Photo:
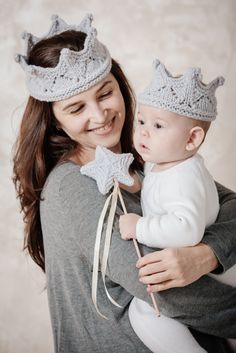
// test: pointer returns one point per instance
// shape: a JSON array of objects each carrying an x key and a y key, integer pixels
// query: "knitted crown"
[
  {"x": 185, "y": 95},
  {"x": 75, "y": 72}
]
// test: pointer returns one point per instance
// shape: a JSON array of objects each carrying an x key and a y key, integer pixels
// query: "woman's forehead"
[{"x": 82, "y": 96}]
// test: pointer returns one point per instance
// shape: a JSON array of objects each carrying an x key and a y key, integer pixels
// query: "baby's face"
[{"x": 161, "y": 136}]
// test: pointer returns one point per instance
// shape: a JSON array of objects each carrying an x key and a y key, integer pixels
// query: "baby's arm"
[
  {"x": 158, "y": 269},
  {"x": 181, "y": 215},
  {"x": 127, "y": 224}
]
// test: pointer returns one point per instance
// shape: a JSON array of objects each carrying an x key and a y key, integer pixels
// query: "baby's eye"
[
  {"x": 158, "y": 126},
  {"x": 140, "y": 122}
]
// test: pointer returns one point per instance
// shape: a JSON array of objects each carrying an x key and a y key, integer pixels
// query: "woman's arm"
[
  {"x": 221, "y": 236},
  {"x": 170, "y": 268},
  {"x": 198, "y": 305}
]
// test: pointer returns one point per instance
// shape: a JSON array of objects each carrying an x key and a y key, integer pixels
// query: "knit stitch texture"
[
  {"x": 75, "y": 72},
  {"x": 185, "y": 95}
]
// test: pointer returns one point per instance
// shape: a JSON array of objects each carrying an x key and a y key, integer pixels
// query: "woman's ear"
[{"x": 196, "y": 137}]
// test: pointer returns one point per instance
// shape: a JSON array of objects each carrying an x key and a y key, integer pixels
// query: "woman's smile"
[{"x": 105, "y": 129}]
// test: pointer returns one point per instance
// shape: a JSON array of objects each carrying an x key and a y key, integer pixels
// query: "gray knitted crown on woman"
[
  {"x": 185, "y": 95},
  {"x": 75, "y": 72}
]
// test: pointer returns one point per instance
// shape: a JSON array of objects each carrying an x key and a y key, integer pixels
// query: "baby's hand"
[{"x": 127, "y": 225}]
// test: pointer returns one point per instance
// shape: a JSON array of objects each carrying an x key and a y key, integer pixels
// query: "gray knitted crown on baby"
[
  {"x": 75, "y": 72},
  {"x": 184, "y": 95}
]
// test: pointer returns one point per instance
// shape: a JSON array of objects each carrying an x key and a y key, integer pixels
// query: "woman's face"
[{"x": 94, "y": 117}]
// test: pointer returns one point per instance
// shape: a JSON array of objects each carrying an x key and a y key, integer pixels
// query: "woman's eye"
[
  {"x": 158, "y": 126},
  {"x": 106, "y": 94},
  {"x": 77, "y": 110}
]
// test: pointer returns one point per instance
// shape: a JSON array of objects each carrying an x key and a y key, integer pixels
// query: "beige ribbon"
[{"x": 113, "y": 198}]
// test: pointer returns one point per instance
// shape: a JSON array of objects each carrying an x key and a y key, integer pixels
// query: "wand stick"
[{"x": 138, "y": 253}]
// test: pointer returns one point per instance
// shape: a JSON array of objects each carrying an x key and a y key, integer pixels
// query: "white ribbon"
[
  {"x": 96, "y": 255},
  {"x": 113, "y": 198}
]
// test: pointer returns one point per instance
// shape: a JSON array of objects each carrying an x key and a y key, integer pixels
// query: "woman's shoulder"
[
  {"x": 65, "y": 173},
  {"x": 63, "y": 169}
]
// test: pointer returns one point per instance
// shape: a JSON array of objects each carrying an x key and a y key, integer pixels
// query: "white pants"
[
  {"x": 161, "y": 334},
  {"x": 165, "y": 335}
]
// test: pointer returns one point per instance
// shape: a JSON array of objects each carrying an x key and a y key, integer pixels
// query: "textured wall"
[{"x": 181, "y": 33}]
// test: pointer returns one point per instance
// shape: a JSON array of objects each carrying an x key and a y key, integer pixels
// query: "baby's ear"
[{"x": 196, "y": 137}]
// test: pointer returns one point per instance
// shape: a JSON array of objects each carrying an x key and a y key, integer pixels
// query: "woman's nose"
[{"x": 98, "y": 114}]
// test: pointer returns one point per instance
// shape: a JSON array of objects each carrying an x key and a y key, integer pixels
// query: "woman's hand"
[{"x": 177, "y": 267}]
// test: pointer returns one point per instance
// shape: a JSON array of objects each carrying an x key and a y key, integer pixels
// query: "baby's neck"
[{"x": 159, "y": 167}]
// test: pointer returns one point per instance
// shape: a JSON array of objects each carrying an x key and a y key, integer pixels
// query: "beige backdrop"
[{"x": 180, "y": 33}]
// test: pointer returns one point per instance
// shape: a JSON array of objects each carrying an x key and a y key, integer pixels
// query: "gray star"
[{"x": 108, "y": 166}]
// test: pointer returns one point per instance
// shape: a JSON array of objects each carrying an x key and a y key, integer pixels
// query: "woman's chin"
[
  {"x": 115, "y": 146},
  {"x": 111, "y": 142}
]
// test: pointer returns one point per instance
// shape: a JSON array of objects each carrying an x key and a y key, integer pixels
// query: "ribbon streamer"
[{"x": 113, "y": 197}]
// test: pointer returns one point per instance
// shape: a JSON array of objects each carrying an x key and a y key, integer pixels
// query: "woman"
[{"x": 80, "y": 99}]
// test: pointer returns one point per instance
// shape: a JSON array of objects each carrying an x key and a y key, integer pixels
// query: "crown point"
[
  {"x": 190, "y": 73},
  {"x": 54, "y": 17},
  {"x": 24, "y": 35},
  {"x": 17, "y": 58},
  {"x": 156, "y": 63},
  {"x": 221, "y": 81},
  {"x": 90, "y": 16},
  {"x": 198, "y": 73},
  {"x": 94, "y": 32}
]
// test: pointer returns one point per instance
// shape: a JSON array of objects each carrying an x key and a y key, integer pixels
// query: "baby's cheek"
[{"x": 135, "y": 137}]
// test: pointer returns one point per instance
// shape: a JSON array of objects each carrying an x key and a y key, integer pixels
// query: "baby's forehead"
[{"x": 154, "y": 111}]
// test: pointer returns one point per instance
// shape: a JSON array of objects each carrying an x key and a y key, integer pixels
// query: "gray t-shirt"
[{"x": 70, "y": 209}]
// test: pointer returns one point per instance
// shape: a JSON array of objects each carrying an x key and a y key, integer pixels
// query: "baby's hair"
[{"x": 204, "y": 125}]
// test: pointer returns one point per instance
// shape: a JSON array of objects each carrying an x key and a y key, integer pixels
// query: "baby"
[{"x": 179, "y": 198}]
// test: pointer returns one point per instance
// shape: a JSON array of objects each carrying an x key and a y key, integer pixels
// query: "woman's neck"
[{"x": 85, "y": 155}]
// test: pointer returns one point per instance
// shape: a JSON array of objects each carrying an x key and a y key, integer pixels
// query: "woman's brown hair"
[{"x": 40, "y": 145}]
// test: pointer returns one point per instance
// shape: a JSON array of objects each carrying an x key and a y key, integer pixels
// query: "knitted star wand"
[{"x": 108, "y": 169}]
